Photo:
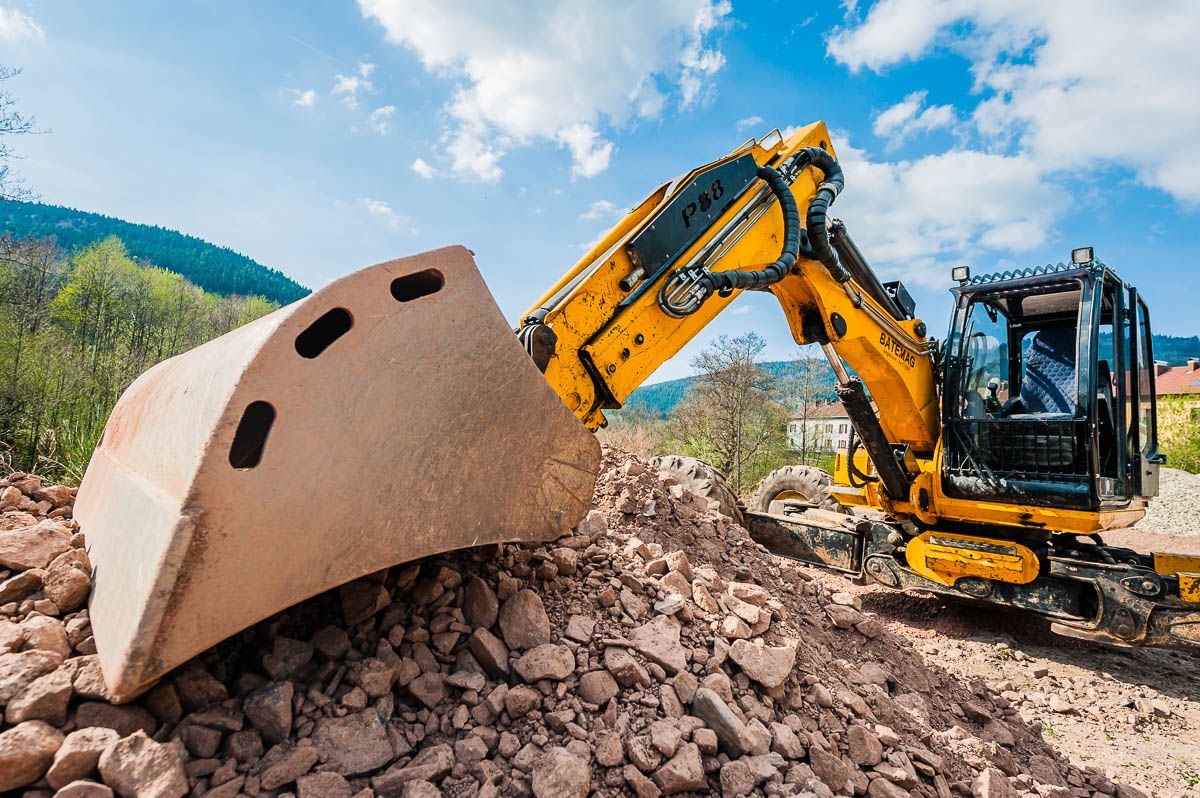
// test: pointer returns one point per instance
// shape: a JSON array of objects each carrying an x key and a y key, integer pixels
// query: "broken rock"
[
  {"x": 18, "y": 670},
  {"x": 353, "y": 744},
  {"x": 562, "y": 774},
  {"x": 658, "y": 641},
  {"x": 45, "y": 698},
  {"x": 26, "y": 750},
  {"x": 294, "y": 764},
  {"x": 768, "y": 665},
  {"x": 77, "y": 756},
  {"x": 33, "y": 546},
  {"x": 682, "y": 772},
  {"x": 431, "y": 764},
  {"x": 269, "y": 710},
  {"x": 731, "y": 732},
  {"x": 523, "y": 621},
  {"x": 481, "y": 608},
  {"x": 547, "y": 661},
  {"x": 138, "y": 766}
]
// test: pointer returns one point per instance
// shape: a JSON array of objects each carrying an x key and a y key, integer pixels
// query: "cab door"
[{"x": 1144, "y": 457}]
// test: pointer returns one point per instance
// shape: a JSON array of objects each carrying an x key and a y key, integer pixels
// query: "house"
[
  {"x": 1179, "y": 381},
  {"x": 825, "y": 427}
]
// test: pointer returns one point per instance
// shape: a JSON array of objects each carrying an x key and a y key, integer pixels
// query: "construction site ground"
[
  {"x": 656, "y": 650},
  {"x": 1133, "y": 713}
]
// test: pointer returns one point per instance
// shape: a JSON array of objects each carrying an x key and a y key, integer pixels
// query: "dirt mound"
[{"x": 657, "y": 650}]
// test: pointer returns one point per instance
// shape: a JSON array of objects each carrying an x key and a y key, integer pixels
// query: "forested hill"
[
  {"x": 659, "y": 399},
  {"x": 219, "y": 270},
  {"x": 1176, "y": 349}
]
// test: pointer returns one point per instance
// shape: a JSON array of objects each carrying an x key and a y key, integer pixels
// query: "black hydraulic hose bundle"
[
  {"x": 730, "y": 280},
  {"x": 818, "y": 232},
  {"x": 818, "y": 212}
]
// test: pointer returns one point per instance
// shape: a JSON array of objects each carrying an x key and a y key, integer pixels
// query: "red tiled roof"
[
  {"x": 1178, "y": 380},
  {"x": 824, "y": 410}
]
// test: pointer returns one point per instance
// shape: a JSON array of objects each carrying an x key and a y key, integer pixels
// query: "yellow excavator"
[{"x": 393, "y": 414}]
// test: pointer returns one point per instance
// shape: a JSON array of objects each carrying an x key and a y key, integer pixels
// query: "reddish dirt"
[{"x": 1149, "y": 541}]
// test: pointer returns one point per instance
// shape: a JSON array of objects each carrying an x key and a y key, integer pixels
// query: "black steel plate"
[{"x": 694, "y": 207}]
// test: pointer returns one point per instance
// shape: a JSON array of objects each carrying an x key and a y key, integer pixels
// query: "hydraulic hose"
[
  {"x": 730, "y": 280},
  {"x": 818, "y": 212}
]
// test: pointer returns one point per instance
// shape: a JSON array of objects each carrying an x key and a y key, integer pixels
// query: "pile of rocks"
[{"x": 657, "y": 650}]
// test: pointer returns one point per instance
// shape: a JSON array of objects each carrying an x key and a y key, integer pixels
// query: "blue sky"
[{"x": 321, "y": 137}]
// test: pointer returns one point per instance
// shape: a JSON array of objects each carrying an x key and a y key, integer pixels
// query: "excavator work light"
[
  {"x": 1082, "y": 255},
  {"x": 960, "y": 274}
]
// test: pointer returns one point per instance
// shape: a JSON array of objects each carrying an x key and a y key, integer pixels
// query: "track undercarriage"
[{"x": 1086, "y": 589}]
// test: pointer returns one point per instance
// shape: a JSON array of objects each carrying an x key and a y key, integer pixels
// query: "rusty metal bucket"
[{"x": 389, "y": 416}]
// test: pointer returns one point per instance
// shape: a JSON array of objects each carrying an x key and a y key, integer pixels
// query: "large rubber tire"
[
  {"x": 808, "y": 483},
  {"x": 701, "y": 479}
]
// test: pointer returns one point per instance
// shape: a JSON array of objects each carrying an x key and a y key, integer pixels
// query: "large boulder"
[
  {"x": 33, "y": 546},
  {"x": 768, "y": 665},
  {"x": 26, "y": 750},
  {"x": 523, "y": 621},
  {"x": 138, "y": 767}
]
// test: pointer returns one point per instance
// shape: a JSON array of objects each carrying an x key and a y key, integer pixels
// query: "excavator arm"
[
  {"x": 688, "y": 250},
  {"x": 612, "y": 324}
]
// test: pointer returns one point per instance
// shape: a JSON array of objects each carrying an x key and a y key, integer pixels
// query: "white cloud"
[
  {"x": 16, "y": 25},
  {"x": 385, "y": 213},
  {"x": 602, "y": 209},
  {"x": 590, "y": 153},
  {"x": 306, "y": 99},
  {"x": 553, "y": 73},
  {"x": 916, "y": 218},
  {"x": 423, "y": 169},
  {"x": 1064, "y": 85},
  {"x": 350, "y": 85},
  {"x": 909, "y": 117},
  {"x": 379, "y": 117},
  {"x": 749, "y": 121},
  {"x": 472, "y": 155}
]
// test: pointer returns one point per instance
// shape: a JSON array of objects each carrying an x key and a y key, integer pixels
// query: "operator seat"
[
  {"x": 1048, "y": 387},
  {"x": 1044, "y": 439}
]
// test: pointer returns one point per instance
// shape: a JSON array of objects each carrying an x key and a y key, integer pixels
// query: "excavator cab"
[{"x": 1048, "y": 392}]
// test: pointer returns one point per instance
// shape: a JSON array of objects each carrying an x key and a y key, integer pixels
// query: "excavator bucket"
[{"x": 389, "y": 416}]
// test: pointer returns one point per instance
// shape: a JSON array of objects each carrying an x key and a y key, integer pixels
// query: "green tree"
[
  {"x": 1179, "y": 431},
  {"x": 75, "y": 332},
  {"x": 732, "y": 417}
]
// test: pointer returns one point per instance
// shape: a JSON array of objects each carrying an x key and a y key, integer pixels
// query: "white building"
[{"x": 828, "y": 428}]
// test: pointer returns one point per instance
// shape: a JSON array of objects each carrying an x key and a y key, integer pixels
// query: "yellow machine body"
[{"x": 947, "y": 557}]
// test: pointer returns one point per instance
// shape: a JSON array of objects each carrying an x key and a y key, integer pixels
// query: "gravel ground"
[
  {"x": 1133, "y": 713},
  {"x": 1176, "y": 511}
]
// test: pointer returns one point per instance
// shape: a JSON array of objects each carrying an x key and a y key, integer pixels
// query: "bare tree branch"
[{"x": 12, "y": 123}]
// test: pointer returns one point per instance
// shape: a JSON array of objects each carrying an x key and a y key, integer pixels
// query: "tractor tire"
[
  {"x": 703, "y": 480},
  {"x": 808, "y": 483}
]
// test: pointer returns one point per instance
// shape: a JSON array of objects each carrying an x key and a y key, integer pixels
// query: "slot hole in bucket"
[
  {"x": 251, "y": 436},
  {"x": 317, "y": 337},
  {"x": 416, "y": 285}
]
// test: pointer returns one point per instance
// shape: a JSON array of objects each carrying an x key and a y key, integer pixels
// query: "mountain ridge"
[{"x": 213, "y": 267}]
